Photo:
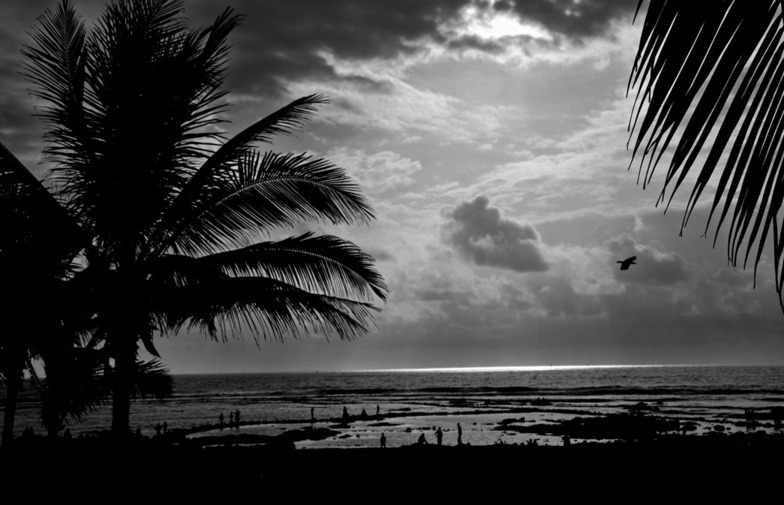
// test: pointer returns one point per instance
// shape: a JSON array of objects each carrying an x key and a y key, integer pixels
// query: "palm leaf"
[
  {"x": 152, "y": 379},
  {"x": 139, "y": 78},
  {"x": 319, "y": 264},
  {"x": 56, "y": 65},
  {"x": 267, "y": 308},
  {"x": 221, "y": 166},
  {"x": 710, "y": 80},
  {"x": 269, "y": 191},
  {"x": 33, "y": 222}
]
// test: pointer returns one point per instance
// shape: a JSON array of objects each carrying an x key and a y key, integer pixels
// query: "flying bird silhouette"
[{"x": 627, "y": 262}]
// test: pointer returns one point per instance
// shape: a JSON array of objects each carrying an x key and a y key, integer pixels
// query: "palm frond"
[
  {"x": 152, "y": 379},
  {"x": 266, "y": 191},
  {"x": 34, "y": 228},
  {"x": 56, "y": 64},
  {"x": 710, "y": 79},
  {"x": 222, "y": 164},
  {"x": 266, "y": 308},
  {"x": 285, "y": 120},
  {"x": 75, "y": 384},
  {"x": 319, "y": 264},
  {"x": 140, "y": 78}
]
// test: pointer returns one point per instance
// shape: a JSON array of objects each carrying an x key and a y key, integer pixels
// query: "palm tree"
[
  {"x": 709, "y": 80},
  {"x": 37, "y": 243},
  {"x": 173, "y": 210}
]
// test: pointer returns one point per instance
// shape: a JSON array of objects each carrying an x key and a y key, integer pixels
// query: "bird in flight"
[{"x": 627, "y": 262}]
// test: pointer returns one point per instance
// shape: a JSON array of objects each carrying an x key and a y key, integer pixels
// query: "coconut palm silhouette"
[
  {"x": 174, "y": 212},
  {"x": 708, "y": 77},
  {"x": 37, "y": 243}
]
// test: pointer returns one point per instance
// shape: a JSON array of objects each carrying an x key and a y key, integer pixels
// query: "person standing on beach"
[
  {"x": 459, "y": 435},
  {"x": 439, "y": 436},
  {"x": 383, "y": 441},
  {"x": 237, "y": 418},
  {"x": 312, "y": 414},
  {"x": 220, "y": 419},
  {"x": 422, "y": 440},
  {"x": 345, "y": 413},
  {"x": 231, "y": 420}
]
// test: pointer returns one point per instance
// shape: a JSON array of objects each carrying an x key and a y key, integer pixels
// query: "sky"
[{"x": 491, "y": 138}]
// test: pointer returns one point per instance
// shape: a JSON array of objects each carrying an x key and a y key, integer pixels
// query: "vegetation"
[
  {"x": 168, "y": 213},
  {"x": 709, "y": 81}
]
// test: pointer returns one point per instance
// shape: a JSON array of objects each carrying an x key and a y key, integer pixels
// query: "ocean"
[{"x": 492, "y": 405}]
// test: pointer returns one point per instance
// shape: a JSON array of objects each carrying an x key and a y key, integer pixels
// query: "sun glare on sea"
[{"x": 535, "y": 368}]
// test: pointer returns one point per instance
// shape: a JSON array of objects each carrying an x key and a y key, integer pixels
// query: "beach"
[
  {"x": 666, "y": 467},
  {"x": 554, "y": 430}
]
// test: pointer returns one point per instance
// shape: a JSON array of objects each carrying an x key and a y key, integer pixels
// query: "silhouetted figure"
[
  {"x": 158, "y": 429},
  {"x": 567, "y": 441},
  {"x": 627, "y": 262},
  {"x": 439, "y": 436},
  {"x": 751, "y": 419},
  {"x": 345, "y": 413},
  {"x": 777, "y": 413},
  {"x": 459, "y": 434},
  {"x": 237, "y": 418},
  {"x": 312, "y": 414},
  {"x": 422, "y": 440},
  {"x": 383, "y": 441},
  {"x": 165, "y": 427},
  {"x": 363, "y": 415},
  {"x": 378, "y": 410},
  {"x": 231, "y": 420},
  {"x": 220, "y": 420}
]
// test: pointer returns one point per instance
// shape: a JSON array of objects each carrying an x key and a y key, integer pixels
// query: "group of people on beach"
[
  {"x": 422, "y": 440},
  {"x": 347, "y": 417},
  {"x": 439, "y": 437},
  {"x": 234, "y": 420}
]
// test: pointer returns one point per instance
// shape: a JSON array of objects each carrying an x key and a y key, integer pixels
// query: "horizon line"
[{"x": 476, "y": 369}]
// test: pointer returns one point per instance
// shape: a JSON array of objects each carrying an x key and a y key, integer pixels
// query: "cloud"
[
  {"x": 571, "y": 18},
  {"x": 479, "y": 233},
  {"x": 376, "y": 172},
  {"x": 653, "y": 267},
  {"x": 285, "y": 41}
]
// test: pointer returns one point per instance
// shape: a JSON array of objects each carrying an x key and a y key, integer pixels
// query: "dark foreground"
[{"x": 747, "y": 466}]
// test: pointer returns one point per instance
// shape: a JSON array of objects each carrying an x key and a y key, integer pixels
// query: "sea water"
[{"x": 410, "y": 402}]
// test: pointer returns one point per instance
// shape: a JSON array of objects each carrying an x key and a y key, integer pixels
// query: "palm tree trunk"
[
  {"x": 124, "y": 363},
  {"x": 13, "y": 385}
]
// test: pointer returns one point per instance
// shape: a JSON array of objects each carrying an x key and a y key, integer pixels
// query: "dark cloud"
[
  {"x": 284, "y": 41},
  {"x": 474, "y": 42},
  {"x": 503, "y": 6},
  {"x": 479, "y": 233},
  {"x": 653, "y": 267},
  {"x": 574, "y": 19}
]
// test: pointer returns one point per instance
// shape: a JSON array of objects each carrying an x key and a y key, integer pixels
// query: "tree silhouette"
[
  {"x": 709, "y": 79},
  {"x": 174, "y": 211},
  {"x": 37, "y": 244}
]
